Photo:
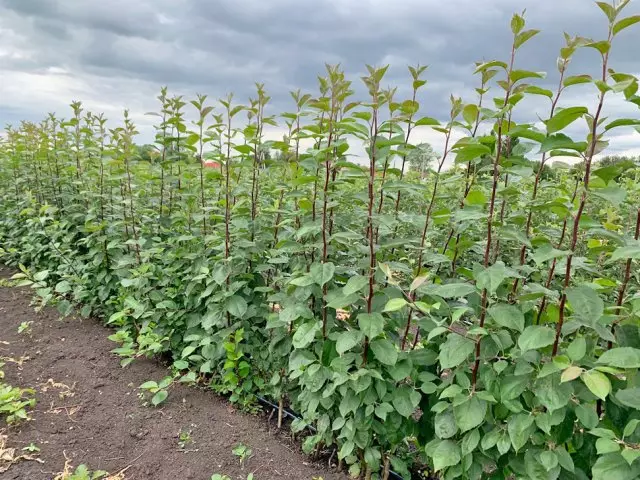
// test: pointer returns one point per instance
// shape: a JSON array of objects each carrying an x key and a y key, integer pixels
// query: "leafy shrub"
[{"x": 482, "y": 323}]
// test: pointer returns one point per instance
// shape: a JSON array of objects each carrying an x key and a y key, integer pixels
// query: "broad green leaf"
[
  {"x": 613, "y": 194},
  {"x": 560, "y": 141},
  {"x": 624, "y": 23},
  {"x": 630, "y": 428},
  {"x": 621, "y": 357},
  {"x": 159, "y": 397},
  {"x": 449, "y": 290},
  {"x": 355, "y": 284},
  {"x": 470, "y": 442},
  {"x": 405, "y": 400},
  {"x": 587, "y": 415},
  {"x": 629, "y": 397},
  {"x": 597, "y": 382},
  {"x": 491, "y": 278},
  {"x": 517, "y": 75},
  {"x": 371, "y": 324},
  {"x": 347, "y": 340},
  {"x": 446, "y": 454},
  {"x": 564, "y": 118},
  {"x": 535, "y": 337},
  {"x": 577, "y": 349},
  {"x": 508, "y": 316},
  {"x": 305, "y": 334},
  {"x": 384, "y": 351},
  {"x": 394, "y": 304},
  {"x": 237, "y": 306},
  {"x": 455, "y": 350},
  {"x": 445, "y": 424},
  {"x": 606, "y": 445},
  {"x": 576, "y": 79},
  {"x": 546, "y": 253},
  {"x": 570, "y": 373},
  {"x": 523, "y": 37},
  {"x": 520, "y": 426},
  {"x": 586, "y": 304},
  {"x": 548, "y": 460},
  {"x": 630, "y": 251},
  {"x": 630, "y": 454},
  {"x": 470, "y": 414},
  {"x": 613, "y": 466},
  {"x": 321, "y": 273}
]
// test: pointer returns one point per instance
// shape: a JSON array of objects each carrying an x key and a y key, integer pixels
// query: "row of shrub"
[{"x": 481, "y": 323}]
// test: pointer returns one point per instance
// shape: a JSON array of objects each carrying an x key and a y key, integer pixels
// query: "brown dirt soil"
[{"x": 88, "y": 410}]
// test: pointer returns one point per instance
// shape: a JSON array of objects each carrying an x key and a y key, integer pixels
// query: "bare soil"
[{"x": 88, "y": 410}]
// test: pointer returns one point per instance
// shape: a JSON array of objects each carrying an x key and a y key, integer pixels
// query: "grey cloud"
[{"x": 216, "y": 47}]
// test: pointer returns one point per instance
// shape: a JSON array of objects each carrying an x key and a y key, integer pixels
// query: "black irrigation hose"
[{"x": 294, "y": 416}]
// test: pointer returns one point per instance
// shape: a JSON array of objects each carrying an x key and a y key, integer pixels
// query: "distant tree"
[
  {"x": 148, "y": 153},
  {"x": 421, "y": 158},
  {"x": 616, "y": 160}
]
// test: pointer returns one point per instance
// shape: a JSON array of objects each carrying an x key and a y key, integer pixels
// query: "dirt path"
[{"x": 90, "y": 410}]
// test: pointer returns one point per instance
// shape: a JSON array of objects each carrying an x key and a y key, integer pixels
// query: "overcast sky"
[{"x": 113, "y": 54}]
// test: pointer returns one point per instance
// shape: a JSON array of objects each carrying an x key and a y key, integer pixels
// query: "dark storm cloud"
[{"x": 221, "y": 46}]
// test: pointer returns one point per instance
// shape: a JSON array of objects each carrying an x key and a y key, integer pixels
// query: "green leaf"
[
  {"x": 455, "y": 350},
  {"x": 520, "y": 427},
  {"x": 560, "y": 141},
  {"x": 236, "y": 306},
  {"x": 546, "y": 253},
  {"x": 40, "y": 276},
  {"x": 630, "y": 454},
  {"x": 587, "y": 415},
  {"x": 371, "y": 324},
  {"x": 621, "y": 357},
  {"x": 535, "y": 337},
  {"x": 321, "y": 273},
  {"x": 577, "y": 349},
  {"x": 629, "y": 397},
  {"x": 586, "y": 304},
  {"x": 624, "y": 23},
  {"x": 517, "y": 75},
  {"x": 606, "y": 445},
  {"x": 508, "y": 316},
  {"x": 621, "y": 122},
  {"x": 533, "y": 90},
  {"x": 523, "y": 37},
  {"x": 613, "y": 194},
  {"x": 446, "y": 454},
  {"x": 449, "y": 290},
  {"x": 159, "y": 397},
  {"x": 630, "y": 251},
  {"x": 548, "y": 460},
  {"x": 470, "y": 442},
  {"x": 347, "y": 340},
  {"x": 384, "y": 351},
  {"x": 470, "y": 414},
  {"x": 471, "y": 151},
  {"x": 355, "y": 284},
  {"x": 570, "y": 373},
  {"x": 491, "y": 278},
  {"x": 394, "y": 304},
  {"x": 426, "y": 121},
  {"x": 405, "y": 400},
  {"x": 597, "y": 382},
  {"x": 613, "y": 466},
  {"x": 564, "y": 118},
  {"x": 305, "y": 334},
  {"x": 630, "y": 428},
  {"x": 445, "y": 424},
  {"x": 576, "y": 80}
]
